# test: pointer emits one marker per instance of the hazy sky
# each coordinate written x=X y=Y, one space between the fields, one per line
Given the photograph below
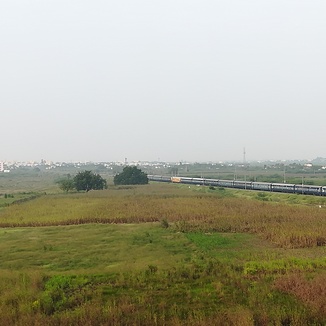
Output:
x=177 y=80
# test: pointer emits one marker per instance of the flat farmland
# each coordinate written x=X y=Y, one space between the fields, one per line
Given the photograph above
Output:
x=163 y=254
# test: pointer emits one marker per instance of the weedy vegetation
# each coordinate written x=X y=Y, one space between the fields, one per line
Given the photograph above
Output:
x=163 y=254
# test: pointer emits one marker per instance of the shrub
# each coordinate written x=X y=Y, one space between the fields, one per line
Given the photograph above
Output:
x=165 y=223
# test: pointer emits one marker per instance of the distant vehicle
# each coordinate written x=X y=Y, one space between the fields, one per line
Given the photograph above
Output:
x=247 y=185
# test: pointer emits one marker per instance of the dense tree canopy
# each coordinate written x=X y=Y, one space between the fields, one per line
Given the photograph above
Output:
x=131 y=175
x=88 y=180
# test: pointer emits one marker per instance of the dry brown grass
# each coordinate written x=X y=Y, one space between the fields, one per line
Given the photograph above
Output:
x=310 y=291
x=284 y=225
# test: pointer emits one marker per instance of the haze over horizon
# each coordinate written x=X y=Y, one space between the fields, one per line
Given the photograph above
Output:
x=172 y=80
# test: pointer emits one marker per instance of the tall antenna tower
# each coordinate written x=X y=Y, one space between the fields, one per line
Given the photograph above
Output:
x=244 y=156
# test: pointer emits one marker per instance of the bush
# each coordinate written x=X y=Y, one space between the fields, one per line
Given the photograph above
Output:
x=164 y=223
x=87 y=181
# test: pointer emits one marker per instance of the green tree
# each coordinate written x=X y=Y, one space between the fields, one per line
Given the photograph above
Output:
x=88 y=180
x=66 y=184
x=131 y=175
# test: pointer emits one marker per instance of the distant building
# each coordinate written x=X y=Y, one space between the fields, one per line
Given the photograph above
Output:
x=1 y=166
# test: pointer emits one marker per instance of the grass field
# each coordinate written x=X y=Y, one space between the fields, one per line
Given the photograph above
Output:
x=91 y=247
x=163 y=254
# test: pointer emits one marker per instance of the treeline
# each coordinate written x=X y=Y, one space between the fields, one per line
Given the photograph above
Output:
x=87 y=180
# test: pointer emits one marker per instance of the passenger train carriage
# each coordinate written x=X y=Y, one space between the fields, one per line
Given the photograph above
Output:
x=249 y=185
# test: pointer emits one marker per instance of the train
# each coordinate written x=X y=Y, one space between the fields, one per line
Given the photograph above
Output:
x=246 y=185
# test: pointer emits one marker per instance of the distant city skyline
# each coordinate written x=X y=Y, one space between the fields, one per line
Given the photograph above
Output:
x=240 y=159
x=158 y=161
x=176 y=80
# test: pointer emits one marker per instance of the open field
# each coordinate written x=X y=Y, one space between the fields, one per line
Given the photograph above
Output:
x=164 y=254
x=190 y=209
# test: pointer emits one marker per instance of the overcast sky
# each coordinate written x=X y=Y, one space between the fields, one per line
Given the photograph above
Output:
x=172 y=80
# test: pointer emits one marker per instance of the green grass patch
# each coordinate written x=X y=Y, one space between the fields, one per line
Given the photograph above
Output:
x=216 y=241
x=147 y=274
x=284 y=266
x=92 y=247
